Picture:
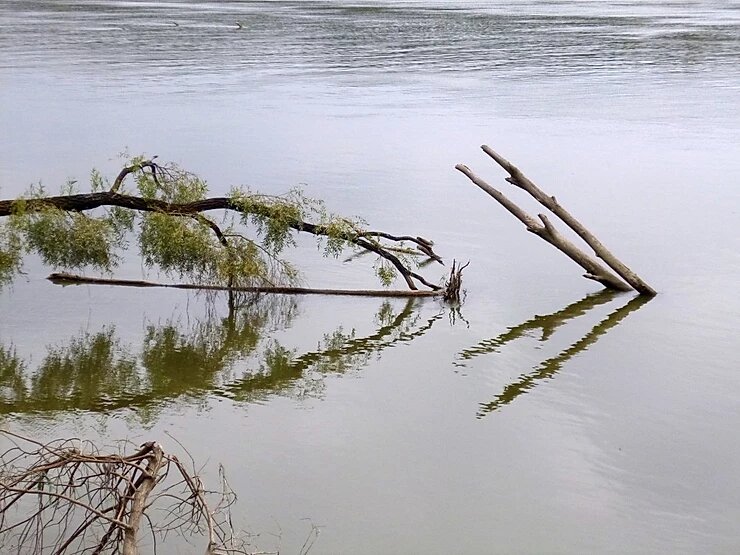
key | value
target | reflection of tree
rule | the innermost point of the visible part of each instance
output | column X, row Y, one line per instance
column 339, row 352
column 548, row 324
column 90, row 369
column 230, row 355
column 12, row 369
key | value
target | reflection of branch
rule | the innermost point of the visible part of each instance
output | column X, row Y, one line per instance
column 96, row 373
column 547, row 323
column 552, row 366
column 291, row 370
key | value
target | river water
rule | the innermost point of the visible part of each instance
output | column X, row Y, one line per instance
column 541, row 417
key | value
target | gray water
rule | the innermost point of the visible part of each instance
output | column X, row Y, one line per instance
column 541, row 418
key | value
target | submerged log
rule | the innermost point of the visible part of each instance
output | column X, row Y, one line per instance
column 62, row 278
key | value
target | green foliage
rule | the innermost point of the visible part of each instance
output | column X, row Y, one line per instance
column 385, row 272
column 11, row 254
column 272, row 216
column 177, row 246
column 339, row 230
column 240, row 251
column 72, row 239
column 172, row 184
column 65, row 239
column 98, row 183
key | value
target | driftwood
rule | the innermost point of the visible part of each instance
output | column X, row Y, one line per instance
column 546, row 231
column 452, row 293
column 62, row 278
column 67, row 497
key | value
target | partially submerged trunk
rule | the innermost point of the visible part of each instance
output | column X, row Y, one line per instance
column 547, row 231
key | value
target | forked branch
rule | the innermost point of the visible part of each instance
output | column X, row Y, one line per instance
column 517, row 178
column 547, row 231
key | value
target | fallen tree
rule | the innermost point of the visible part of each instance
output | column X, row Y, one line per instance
column 624, row 280
column 168, row 209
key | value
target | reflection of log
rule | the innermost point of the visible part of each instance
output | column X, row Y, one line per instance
column 72, row 279
column 546, row 230
column 552, row 366
column 547, row 323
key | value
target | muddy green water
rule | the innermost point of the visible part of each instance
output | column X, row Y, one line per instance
column 542, row 418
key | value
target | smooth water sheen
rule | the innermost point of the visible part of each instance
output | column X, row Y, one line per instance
column 544, row 416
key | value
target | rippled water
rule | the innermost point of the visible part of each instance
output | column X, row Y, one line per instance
column 541, row 418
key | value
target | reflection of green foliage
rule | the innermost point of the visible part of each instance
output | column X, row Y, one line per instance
column 338, row 352
column 87, row 372
column 12, row 370
column 228, row 356
column 177, row 362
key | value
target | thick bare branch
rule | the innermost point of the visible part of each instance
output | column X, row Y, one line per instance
column 118, row 182
column 547, row 232
column 422, row 244
column 144, row 487
column 516, row 177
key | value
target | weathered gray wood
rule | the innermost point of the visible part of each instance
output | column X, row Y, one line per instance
column 547, row 232
column 62, row 278
column 516, row 177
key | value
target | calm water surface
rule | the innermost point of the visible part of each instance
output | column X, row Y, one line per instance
column 544, row 417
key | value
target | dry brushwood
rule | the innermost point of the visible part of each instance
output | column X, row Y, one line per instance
column 547, row 231
column 452, row 293
column 67, row 497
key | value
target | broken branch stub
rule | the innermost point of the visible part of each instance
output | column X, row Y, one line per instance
column 516, row 177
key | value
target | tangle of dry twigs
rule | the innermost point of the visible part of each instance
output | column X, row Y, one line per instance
column 66, row 497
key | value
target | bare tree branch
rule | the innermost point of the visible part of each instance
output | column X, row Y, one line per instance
column 517, row 178
column 61, row 499
column 547, row 232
